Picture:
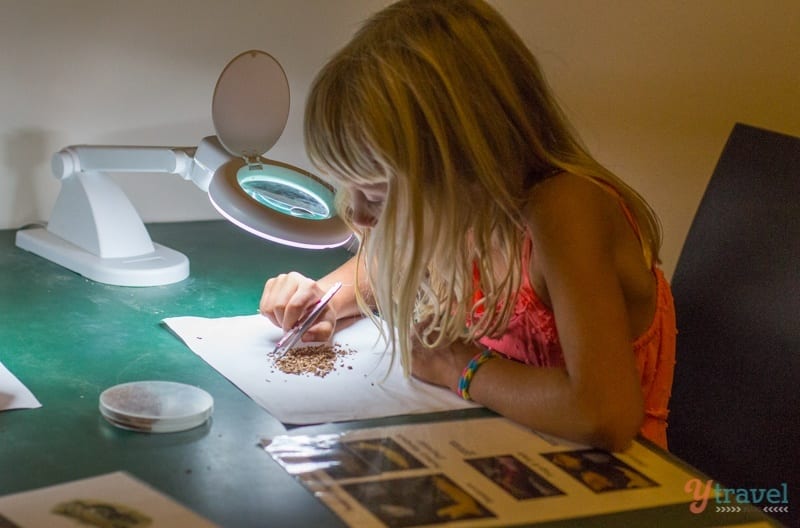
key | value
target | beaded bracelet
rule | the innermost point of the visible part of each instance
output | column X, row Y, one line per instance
column 469, row 372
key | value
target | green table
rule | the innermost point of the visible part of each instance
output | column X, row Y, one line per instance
column 68, row 339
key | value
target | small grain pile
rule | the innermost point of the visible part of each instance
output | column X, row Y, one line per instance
column 313, row 360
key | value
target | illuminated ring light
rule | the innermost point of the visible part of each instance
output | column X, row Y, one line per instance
column 286, row 191
column 272, row 222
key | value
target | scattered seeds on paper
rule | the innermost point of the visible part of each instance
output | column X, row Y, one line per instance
column 313, row 360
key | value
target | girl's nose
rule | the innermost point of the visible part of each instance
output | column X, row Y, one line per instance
column 363, row 212
column 363, row 218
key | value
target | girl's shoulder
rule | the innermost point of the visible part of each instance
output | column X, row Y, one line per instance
column 567, row 200
column 579, row 229
column 562, row 183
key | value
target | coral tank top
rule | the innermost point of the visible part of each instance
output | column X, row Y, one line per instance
column 532, row 338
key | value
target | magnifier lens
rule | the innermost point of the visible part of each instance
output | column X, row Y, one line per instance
column 286, row 191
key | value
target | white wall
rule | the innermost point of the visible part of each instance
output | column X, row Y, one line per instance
column 653, row 87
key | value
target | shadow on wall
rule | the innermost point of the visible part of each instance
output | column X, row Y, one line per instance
column 26, row 151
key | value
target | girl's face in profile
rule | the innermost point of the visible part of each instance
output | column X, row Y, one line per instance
column 367, row 203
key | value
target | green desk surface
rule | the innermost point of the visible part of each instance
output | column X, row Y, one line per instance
column 68, row 339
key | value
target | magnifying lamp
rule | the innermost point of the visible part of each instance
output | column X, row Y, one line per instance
column 95, row 230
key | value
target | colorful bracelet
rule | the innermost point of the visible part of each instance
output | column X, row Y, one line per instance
column 469, row 372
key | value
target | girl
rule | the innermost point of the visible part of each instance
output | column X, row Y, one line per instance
column 517, row 270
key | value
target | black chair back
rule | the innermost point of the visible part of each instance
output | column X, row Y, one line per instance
column 735, row 408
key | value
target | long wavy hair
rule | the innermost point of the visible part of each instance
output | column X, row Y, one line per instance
column 442, row 101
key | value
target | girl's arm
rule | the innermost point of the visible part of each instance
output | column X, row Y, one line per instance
column 597, row 398
column 344, row 302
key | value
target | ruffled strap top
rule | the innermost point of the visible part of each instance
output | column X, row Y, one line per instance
column 532, row 338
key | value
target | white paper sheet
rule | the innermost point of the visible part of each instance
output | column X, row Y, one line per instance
column 13, row 394
column 239, row 348
column 96, row 501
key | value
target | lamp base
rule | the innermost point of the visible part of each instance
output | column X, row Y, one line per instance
column 162, row 266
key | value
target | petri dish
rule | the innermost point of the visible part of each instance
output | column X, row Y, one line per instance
column 156, row 406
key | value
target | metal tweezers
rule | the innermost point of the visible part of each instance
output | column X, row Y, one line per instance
column 293, row 336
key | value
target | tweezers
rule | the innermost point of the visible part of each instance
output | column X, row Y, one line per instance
column 291, row 337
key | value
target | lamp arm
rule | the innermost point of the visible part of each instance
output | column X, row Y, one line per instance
column 98, row 158
column 197, row 164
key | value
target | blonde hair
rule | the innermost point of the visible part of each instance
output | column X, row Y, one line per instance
column 442, row 101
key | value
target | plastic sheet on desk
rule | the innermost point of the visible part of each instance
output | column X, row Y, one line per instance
column 474, row 472
column 358, row 388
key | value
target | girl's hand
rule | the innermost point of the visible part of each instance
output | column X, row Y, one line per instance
column 441, row 366
column 288, row 297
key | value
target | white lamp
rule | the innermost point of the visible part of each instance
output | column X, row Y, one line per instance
column 95, row 231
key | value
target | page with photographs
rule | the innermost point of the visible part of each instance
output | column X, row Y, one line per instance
column 475, row 472
column 112, row 500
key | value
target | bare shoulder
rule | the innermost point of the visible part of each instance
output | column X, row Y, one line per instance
column 582, row 240
column 567, row 205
